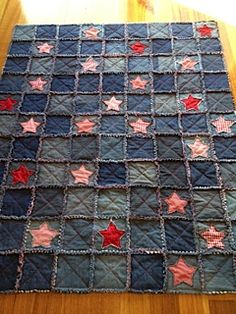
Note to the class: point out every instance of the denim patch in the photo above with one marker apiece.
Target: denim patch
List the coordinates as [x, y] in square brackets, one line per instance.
[11, 234]
[69, 31]
[114, 64]
[151, 268]
[219, 102]
[112, 148]
[80, 201]
[144, 201]
[111, 173]
[138, 103]
[84, 148]
[20, 48]
[194, 123]
[173, 174]
[55, 148]
[164, 82]
[185, 46]
[182, 30]
[24, 32]
[63, 83]
[157, 30]
[67, 47]
[11, 83]
[112, 124]
[112, 202]
[65, 65]
[137, 30]
[91, 47]
[161, 46]
[46, 31]
[140, 148]
[203, 173]
[8, 265]
[16, 202]
[189, 82]
[216, 81]
[5, 145]
[139, 64]
[113, 83]
[41, 65]
[86, 103]
[114, 31]
[33, 103]
[169, 147]
[25, 147]
[57, 125]
[142, 173]
[115, 47]
[210, 45]
[212, 63]
[88, 83]
[167, 124]
[225, 147]
[16, 65]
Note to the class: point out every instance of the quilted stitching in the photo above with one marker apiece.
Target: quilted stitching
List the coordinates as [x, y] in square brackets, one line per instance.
[121, 176]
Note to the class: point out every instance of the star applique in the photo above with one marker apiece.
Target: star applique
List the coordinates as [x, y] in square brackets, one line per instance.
[90, 65]
[85, 126]
[205, 31]
[7, 104]
[43, 236]
[138, 47]
[191, 103]
[91, 32]
[30, 126]
[111, 236]
[113, 104]
[187, 64]
[81, 175]
[38, 84]
[199, 148]
[140, 126]
[182, 272]
[45, 48]
[175, 204]
[222, 125]
[21, 174]
[138, 83]
[213, 237]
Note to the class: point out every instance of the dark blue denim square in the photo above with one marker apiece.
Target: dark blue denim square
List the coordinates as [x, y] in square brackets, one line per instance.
[16, 202]
[37, 271]
[212, 62]
[167, 124]
[179, 235]
[2, 169]
[57, 125]
[113, 124]
[173, 174]
[169, 147]
[20, 48]
[46, 31]
[65, 65]
[210, 45]
[8, 266]
[137, 30]
[113, 82]
[139, 147]
[194, 123]
[114, 30]
[34, 103]
[161, 46]
[182, 30]
[25, 147]
[11, 234]
[139, 103]
[147, 272]
[5, 146]
[91, 47]
[84, 148]
[69, 31]
[88, 83]
[67, 47]
[225, 147]
[16, 65]
[12, 83]
[216, 81]
[48, 202]
[111, 173]
[63, 83]
[86, 103]
[164, 82]
[203, 173]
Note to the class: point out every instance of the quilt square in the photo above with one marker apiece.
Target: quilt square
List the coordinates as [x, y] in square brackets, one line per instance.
[151, 267]
[117, 160]
[73, 272]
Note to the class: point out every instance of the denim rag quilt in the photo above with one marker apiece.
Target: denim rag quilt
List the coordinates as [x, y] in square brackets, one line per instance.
[117, 160]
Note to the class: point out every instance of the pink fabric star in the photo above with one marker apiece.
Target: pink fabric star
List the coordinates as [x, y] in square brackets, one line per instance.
[198, 148]
[91, 32]
[81, 175]
[90, 65]
[38, 84]
[45, 48]
[222, 125]
[138, 83]
[30, 126]
[113, 104]
[213, 237]
[140, 126]
[85, 126]
[188, 64]
[175, 204]
[182, 272]
[43, 236]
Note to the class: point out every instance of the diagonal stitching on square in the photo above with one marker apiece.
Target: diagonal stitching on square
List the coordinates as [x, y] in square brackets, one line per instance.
[53, 146]
[182, 236]
[109, 270]
[49, 174]
[143, 234]
[82, 199]
[77, 234]
[142, 173]
[48, 201]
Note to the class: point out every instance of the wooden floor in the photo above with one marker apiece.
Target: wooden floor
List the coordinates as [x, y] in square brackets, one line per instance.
[104, 11]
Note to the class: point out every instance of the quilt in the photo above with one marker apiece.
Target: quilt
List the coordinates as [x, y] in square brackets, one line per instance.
[117, 160]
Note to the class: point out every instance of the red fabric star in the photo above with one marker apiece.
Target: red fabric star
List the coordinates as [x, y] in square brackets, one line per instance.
[175, 203]
[191, 103]
[21, 174]
[213, 237]
[138, 47]
[111, 236]
[182, 272]
[205, 30]
[7, 104]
